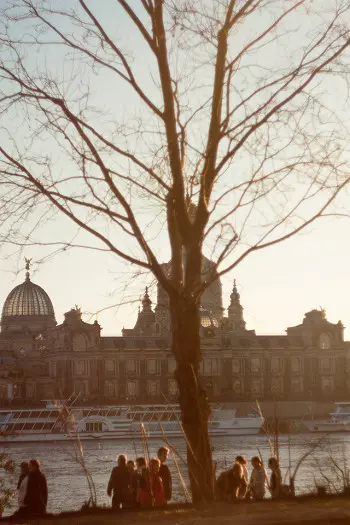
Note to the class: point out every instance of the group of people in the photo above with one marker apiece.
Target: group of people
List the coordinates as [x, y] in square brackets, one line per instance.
[32, 490]
[140, 484]
[235, 483]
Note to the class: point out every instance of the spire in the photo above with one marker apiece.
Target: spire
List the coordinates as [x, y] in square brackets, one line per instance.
[146, 302]
[27, 261]
[235, 310]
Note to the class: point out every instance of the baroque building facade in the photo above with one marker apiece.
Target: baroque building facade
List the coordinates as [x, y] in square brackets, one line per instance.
[40, 359]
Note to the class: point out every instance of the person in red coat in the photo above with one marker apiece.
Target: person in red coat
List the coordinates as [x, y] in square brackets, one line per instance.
[158, 491]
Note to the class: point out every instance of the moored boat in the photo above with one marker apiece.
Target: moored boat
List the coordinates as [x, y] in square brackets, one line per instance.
[57, 422]
[339, 421]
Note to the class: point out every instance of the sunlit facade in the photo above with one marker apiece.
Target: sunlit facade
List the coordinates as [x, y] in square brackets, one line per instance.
[43, 360]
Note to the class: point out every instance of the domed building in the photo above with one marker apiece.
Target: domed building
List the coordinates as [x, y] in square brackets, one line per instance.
[28, 308]
[40, 359]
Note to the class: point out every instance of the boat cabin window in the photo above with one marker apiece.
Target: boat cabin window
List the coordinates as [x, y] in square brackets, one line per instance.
[96, 426]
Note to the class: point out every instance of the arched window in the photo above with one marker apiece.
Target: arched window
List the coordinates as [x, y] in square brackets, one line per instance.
[325, 342]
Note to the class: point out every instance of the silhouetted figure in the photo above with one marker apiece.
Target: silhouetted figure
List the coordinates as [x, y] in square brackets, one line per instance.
[257, 485]
[133, 484]
[236, 482]
[221, 486]
[164, 472]
[275, 478]
[119, 484]
[22, 489]
[157, 486]
[144, 484]
[242, 461]
[35, 499]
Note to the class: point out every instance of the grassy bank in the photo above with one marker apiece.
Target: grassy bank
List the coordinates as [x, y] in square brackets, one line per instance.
[308, 511]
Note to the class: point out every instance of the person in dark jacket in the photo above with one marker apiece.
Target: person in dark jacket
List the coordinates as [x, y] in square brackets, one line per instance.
[36, 496]
[119, 484]
[164, 472]
[236, 483]
[133, 484]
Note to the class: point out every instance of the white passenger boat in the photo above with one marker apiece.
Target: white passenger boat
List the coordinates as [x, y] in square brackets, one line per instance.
[339, 421]
[57, 422]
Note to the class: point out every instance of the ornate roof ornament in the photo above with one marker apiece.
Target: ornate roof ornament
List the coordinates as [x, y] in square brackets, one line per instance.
[27, 261]
[146, 301]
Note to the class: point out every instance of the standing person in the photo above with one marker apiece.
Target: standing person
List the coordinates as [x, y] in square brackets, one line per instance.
[35, 499]
[242, 461]
[164, 472]
[258, 477]
[236, 482]
[22, 488]
[144, 486]
[119, 483]
[276, 478]
[133, 481]
[157, 486]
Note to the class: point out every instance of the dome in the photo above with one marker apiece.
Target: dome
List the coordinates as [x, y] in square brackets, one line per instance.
[207, 319]
[28, 306]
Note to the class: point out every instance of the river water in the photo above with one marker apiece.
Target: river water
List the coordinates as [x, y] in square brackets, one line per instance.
[68, 487]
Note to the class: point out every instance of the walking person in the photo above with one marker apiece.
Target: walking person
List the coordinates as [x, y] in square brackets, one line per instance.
[35, 499]
[275, 478]
[164, 472]
[258, 478]
[119, 483]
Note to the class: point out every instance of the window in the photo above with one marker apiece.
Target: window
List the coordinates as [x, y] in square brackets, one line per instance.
[276, 365]
[109, 389]
[277, 385]
[94, 427]
[80, 368]
[132, 389]
[153, 387]
[210, 367]
[132, 367]
[237, 386]
[297, 385]
[236, 366]
[151, 366]
[256, 386]
[30, 390]
[171, 366]
[325, 341]
[325, 364]
[255, 364]
[295, 364]
[110, 367]
[173, 389]
[327, 384]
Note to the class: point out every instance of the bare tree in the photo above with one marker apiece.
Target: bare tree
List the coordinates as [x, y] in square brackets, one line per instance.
[192, 124]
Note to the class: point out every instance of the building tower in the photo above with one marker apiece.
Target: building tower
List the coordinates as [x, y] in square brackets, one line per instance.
[235, 311]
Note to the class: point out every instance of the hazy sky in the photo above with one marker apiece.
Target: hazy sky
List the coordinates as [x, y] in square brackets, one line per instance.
[277, 286]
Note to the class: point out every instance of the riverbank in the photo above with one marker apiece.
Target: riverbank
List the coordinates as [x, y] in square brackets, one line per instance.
[304, 511]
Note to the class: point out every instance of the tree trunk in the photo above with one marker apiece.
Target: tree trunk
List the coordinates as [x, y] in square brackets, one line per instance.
[192, 398]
